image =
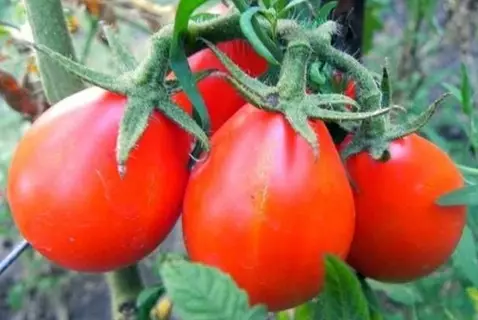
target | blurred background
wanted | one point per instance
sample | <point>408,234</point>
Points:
<point>432,47</point>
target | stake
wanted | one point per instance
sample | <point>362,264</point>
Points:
<point>13,255</point>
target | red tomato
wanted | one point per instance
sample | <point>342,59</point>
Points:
<point>68,199</point>
<point>262,208</point>
<point>220,98</point>
<point>401,235</point>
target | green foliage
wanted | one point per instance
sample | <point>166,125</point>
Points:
<point>204,293</point>
<point>179,62</point>
<point>342,297</point>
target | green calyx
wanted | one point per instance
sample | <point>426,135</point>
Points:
<point>289,95</point>
<point>374,136</point>
<point>144,85</point>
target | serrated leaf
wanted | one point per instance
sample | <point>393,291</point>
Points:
<point>250,32</point>
<point>465,256</point>
<point>342,297</point>
<point>179,62</point>
<point>400,293</point>
<point>464,196</point>
<point>324,11</point>
<point>147,299</point>
<point>374,306</point>
<point>200,292</point>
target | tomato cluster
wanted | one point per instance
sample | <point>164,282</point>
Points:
<point>260,206</point>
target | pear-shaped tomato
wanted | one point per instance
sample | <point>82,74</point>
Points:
<point>68,199</point>
<point>401,234</point>
<point>262,208</point>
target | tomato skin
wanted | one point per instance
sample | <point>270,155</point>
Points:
<point>221,98</point>
<point>67,198</point>
<point>263,209</point>
<point>401,235</point>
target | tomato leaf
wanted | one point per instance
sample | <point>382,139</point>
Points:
<point>247,27</point>
<point>465,258</point>
<point>147,299</point>
<point>466,92</point>
<point>464,196</point>
<point>179,61</point>
<point>202,292</point>
<point>324,11</point>
<point>400,293</point>
<point>290,5</point>
<point>342,297</point>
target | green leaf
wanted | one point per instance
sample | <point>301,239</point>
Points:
<point>401,293</point>
<point>342,297</point>
<point>465,258</point>
<point>466,92</point>
<point>200,292</point>
<point>374,306</point>
<point>305,311</point>
<point>249,31</point>
<point>147,299</point>
<point>290,5</point>
<point>179,61</point>
<point>372,23</point>
<point>324,11</point>
<point>464,196</point>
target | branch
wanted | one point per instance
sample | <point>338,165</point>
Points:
<point>49,28</point>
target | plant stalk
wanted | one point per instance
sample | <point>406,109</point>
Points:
<point>124,286</point>
<point>49,28</point>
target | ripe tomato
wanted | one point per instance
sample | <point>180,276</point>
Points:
<point>262,208</point>
<point>401,235</point>
<point>68,199</point>
<point>220,97</point>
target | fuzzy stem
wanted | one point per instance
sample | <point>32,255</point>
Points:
<point>124,285</point>
<point>49,28</point>
<point>293,77</point>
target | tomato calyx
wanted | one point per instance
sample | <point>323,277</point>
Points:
<point>375,135</point>
<point>289,96</point>
<point>144,85</point>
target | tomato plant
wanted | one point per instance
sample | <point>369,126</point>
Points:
<point>68,199</point>
<point>401,234</point>
<point>220,98</point>
<point>262,208</point>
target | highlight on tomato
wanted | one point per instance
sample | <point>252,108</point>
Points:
<point>66,195</point>
<point>263,209</point>
<point>401,234</point>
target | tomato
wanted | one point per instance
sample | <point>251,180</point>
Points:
<point>350,90</point>
<point>221,98</point>
<point>68,199</point>
<point>262,208</point>
<point>401,234</point>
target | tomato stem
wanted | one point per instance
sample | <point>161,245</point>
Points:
<point>293,77</point>
<point>124,286</point>
<point>52,32</point>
